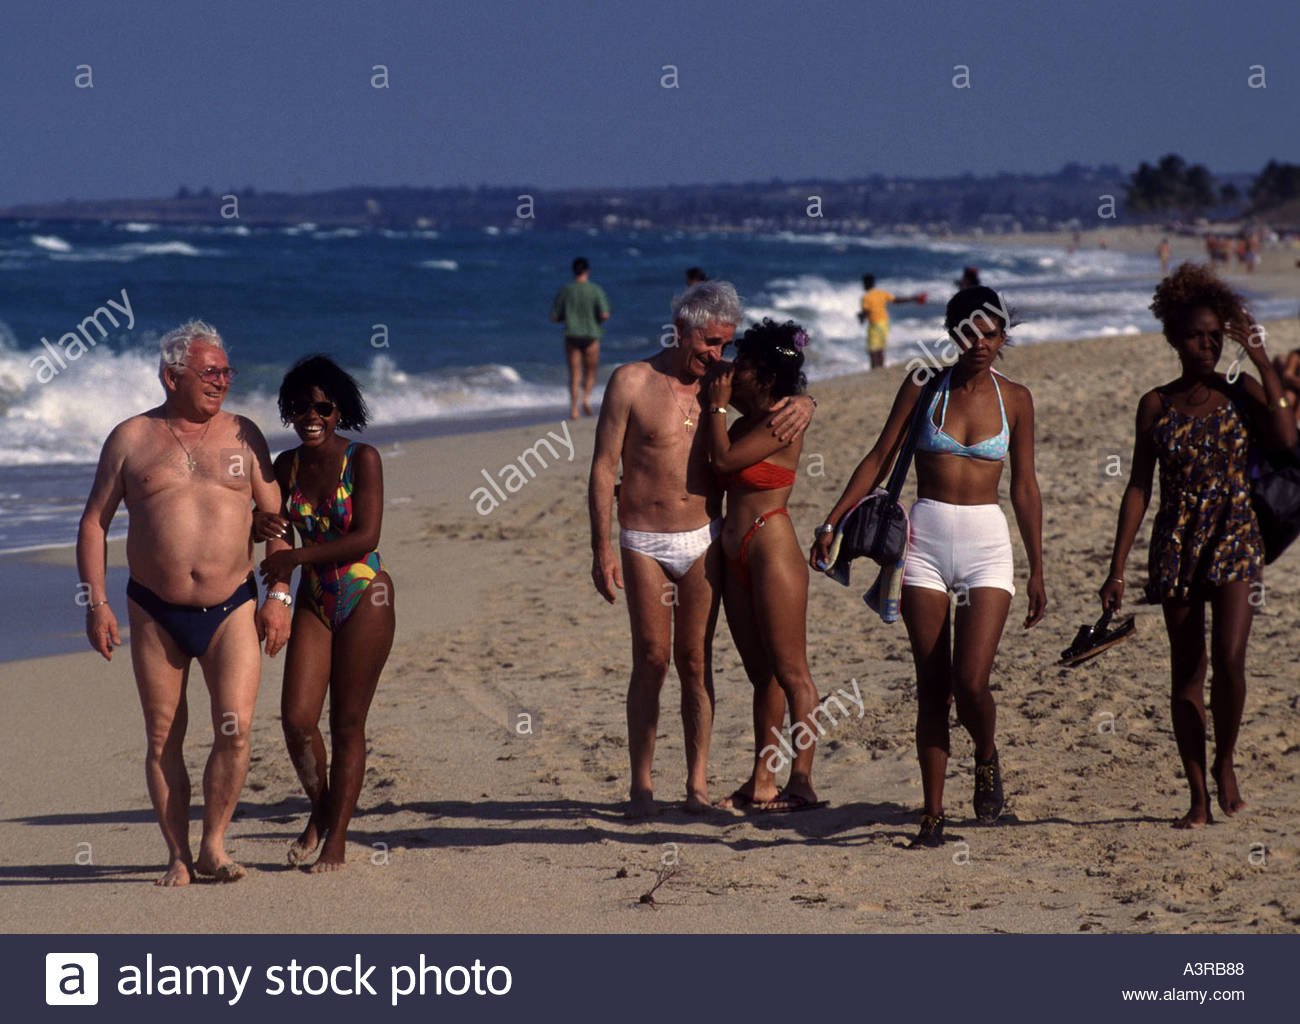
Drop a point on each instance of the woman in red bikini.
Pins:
(766, 592)
(343, 623)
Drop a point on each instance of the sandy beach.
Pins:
(498, 755)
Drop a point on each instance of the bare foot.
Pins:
(697, 803)
(178, 873)
(573, 412)
(305, 845)
(586, 409)
(1198, 817)
(224, 872)
(641, 805)
(1225, 778)
(327, 862)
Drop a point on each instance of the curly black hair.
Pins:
(336, 383)
(1191, 287)
(776, 353)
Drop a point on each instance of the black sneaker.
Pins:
(988, 791)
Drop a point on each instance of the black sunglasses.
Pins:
(322, 409)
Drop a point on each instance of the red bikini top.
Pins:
(763, 476)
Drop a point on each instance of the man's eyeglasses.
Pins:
(215, 373)
(322, 409)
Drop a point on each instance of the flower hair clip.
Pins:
(799, 340)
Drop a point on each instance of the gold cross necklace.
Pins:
(190, 464)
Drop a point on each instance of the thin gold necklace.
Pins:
(686, 416)
(190, 464)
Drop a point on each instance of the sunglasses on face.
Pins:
(215, 373)
(322, 409)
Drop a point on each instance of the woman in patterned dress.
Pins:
(1205, 542)
(333, 493)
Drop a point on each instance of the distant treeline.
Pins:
(1171, 185)
(1076, 196)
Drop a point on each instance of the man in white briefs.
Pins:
(669, 509)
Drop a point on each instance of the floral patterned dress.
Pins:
(1205, 533)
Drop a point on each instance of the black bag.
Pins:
(1274, 487)
(1275, 494)
(877, 526)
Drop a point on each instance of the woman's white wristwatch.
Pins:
(280, 595)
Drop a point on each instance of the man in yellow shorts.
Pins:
(875, 314)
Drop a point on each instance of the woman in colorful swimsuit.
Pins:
(766, 592)
(1206, 547)
(959, 542)
(333, 493)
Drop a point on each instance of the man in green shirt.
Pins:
(582, 307)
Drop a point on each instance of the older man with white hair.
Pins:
(669, 509)
(190, 475)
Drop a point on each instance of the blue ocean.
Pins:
(445, 330)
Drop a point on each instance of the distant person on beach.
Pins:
(1162, 254)
(959, 544)
(582, 307)
(766, 592)
(970, 278)
(1206, 547)
(668, 516)
(332, 492)
(694, 276)
(189, 474)
(875, 314)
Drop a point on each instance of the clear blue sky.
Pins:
(559, 93)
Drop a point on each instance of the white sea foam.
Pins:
(51, 243)
(137, 227)
(173, 248)
(59, 422)
(440, 264)
(1049, 302)
(128, 252)
(336, 233)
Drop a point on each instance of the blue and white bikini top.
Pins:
(933, 439)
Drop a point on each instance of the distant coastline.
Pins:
(1002, 203)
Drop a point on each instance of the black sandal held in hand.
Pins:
(1090, 641)
(989, 799)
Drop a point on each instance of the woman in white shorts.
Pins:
(959, 543)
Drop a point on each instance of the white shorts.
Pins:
(958, 548)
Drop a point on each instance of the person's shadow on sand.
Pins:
(524, 822)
